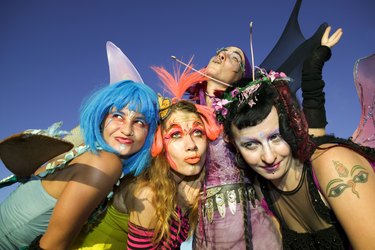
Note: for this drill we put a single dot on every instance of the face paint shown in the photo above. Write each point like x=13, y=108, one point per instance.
x=125, y=131
x=263, y=148
x=185, y=142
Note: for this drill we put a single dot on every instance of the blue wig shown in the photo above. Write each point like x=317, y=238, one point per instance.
x=136, y=96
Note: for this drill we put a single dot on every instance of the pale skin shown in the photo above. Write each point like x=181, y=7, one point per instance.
x=346, y=178
x=354, y=205
x=80, y=187
x=184, y=135
x=221, y=67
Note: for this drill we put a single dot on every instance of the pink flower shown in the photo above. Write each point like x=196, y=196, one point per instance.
x=235, y=92
x=274, y=75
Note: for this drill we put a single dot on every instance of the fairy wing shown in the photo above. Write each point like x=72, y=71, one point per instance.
x=120, y=67
x=25, y=152
x=292, y=49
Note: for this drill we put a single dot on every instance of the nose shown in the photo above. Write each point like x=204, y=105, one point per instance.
x=127, y=129
x=222, y=55
x=190, y=144
x=268, y=156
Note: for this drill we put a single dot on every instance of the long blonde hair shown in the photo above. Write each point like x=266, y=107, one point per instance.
x=158, y=177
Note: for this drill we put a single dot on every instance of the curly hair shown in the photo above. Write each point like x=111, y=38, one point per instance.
x=158, y=177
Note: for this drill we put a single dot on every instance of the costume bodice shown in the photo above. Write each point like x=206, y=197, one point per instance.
x=220, y=165
x=364, y=80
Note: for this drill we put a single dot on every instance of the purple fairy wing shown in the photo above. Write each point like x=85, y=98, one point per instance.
x=120, y=67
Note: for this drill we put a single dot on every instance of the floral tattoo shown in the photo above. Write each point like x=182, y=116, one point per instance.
x=336, y=187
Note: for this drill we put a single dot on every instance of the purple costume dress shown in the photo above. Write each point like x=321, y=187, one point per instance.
x=227, y=193
x=364, y=80
x=221, y=223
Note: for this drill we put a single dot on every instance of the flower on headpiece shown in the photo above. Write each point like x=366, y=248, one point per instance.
x=274, y=75
x=246, y=94
x=219, y=107
x=235, y=92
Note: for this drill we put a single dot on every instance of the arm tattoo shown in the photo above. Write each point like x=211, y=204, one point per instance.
x=349, y=179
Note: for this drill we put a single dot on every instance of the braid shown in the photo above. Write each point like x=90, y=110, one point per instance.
x=245, y=201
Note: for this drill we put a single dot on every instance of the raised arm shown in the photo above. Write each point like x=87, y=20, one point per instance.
x=312, y=83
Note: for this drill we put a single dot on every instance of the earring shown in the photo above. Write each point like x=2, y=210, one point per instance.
x=240, y=161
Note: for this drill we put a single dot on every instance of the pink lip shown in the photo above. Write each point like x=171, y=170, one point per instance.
x=124, y=140
x=272, y=168
x=192, y=160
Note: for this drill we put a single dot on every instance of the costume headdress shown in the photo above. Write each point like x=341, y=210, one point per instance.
x=126, y=88
x=246, y=94
x=176, y=85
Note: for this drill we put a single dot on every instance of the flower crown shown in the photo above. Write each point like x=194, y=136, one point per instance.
x=246, y=94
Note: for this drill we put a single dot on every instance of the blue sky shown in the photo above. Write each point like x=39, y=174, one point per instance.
x=52, y=53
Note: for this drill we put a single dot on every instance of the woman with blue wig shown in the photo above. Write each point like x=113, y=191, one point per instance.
x=64, y=196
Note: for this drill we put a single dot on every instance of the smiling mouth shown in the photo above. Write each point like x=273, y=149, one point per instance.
x=273, y=168
x=192, y=160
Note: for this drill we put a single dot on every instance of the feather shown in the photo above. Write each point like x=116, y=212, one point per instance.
x=179, y=82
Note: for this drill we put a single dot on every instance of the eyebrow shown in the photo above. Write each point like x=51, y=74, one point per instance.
x=137, y=116
x=178, y=125
x=275, y=131
x=238, y=53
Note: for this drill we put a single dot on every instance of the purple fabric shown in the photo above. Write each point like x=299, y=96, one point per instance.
x=228, y=232
x=220, y=166
x=248, y=69
x=364, y=79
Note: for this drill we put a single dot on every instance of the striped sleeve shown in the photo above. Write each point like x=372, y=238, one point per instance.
x=140, y=238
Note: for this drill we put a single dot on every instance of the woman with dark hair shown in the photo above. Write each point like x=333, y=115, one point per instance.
x=322, y=192
x=228, y=198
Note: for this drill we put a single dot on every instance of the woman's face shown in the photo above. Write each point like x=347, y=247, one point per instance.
x=227, y=65
x=263, y=148
x=125, y=131
x=185, y=142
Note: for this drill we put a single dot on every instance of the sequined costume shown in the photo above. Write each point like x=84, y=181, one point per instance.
x=364, y=80
x=222, y=224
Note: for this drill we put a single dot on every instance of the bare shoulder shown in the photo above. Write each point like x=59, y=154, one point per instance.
x=347, y=182
x=141, y=196
x=141, y=206
x=335, y=155
x=338, y=167
x=103, y=167
x=101, y=160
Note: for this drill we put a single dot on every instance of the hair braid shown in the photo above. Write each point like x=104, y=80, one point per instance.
x=245, y=202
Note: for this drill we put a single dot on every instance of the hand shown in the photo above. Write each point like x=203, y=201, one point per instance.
x=332, y=40
x=188, y=191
